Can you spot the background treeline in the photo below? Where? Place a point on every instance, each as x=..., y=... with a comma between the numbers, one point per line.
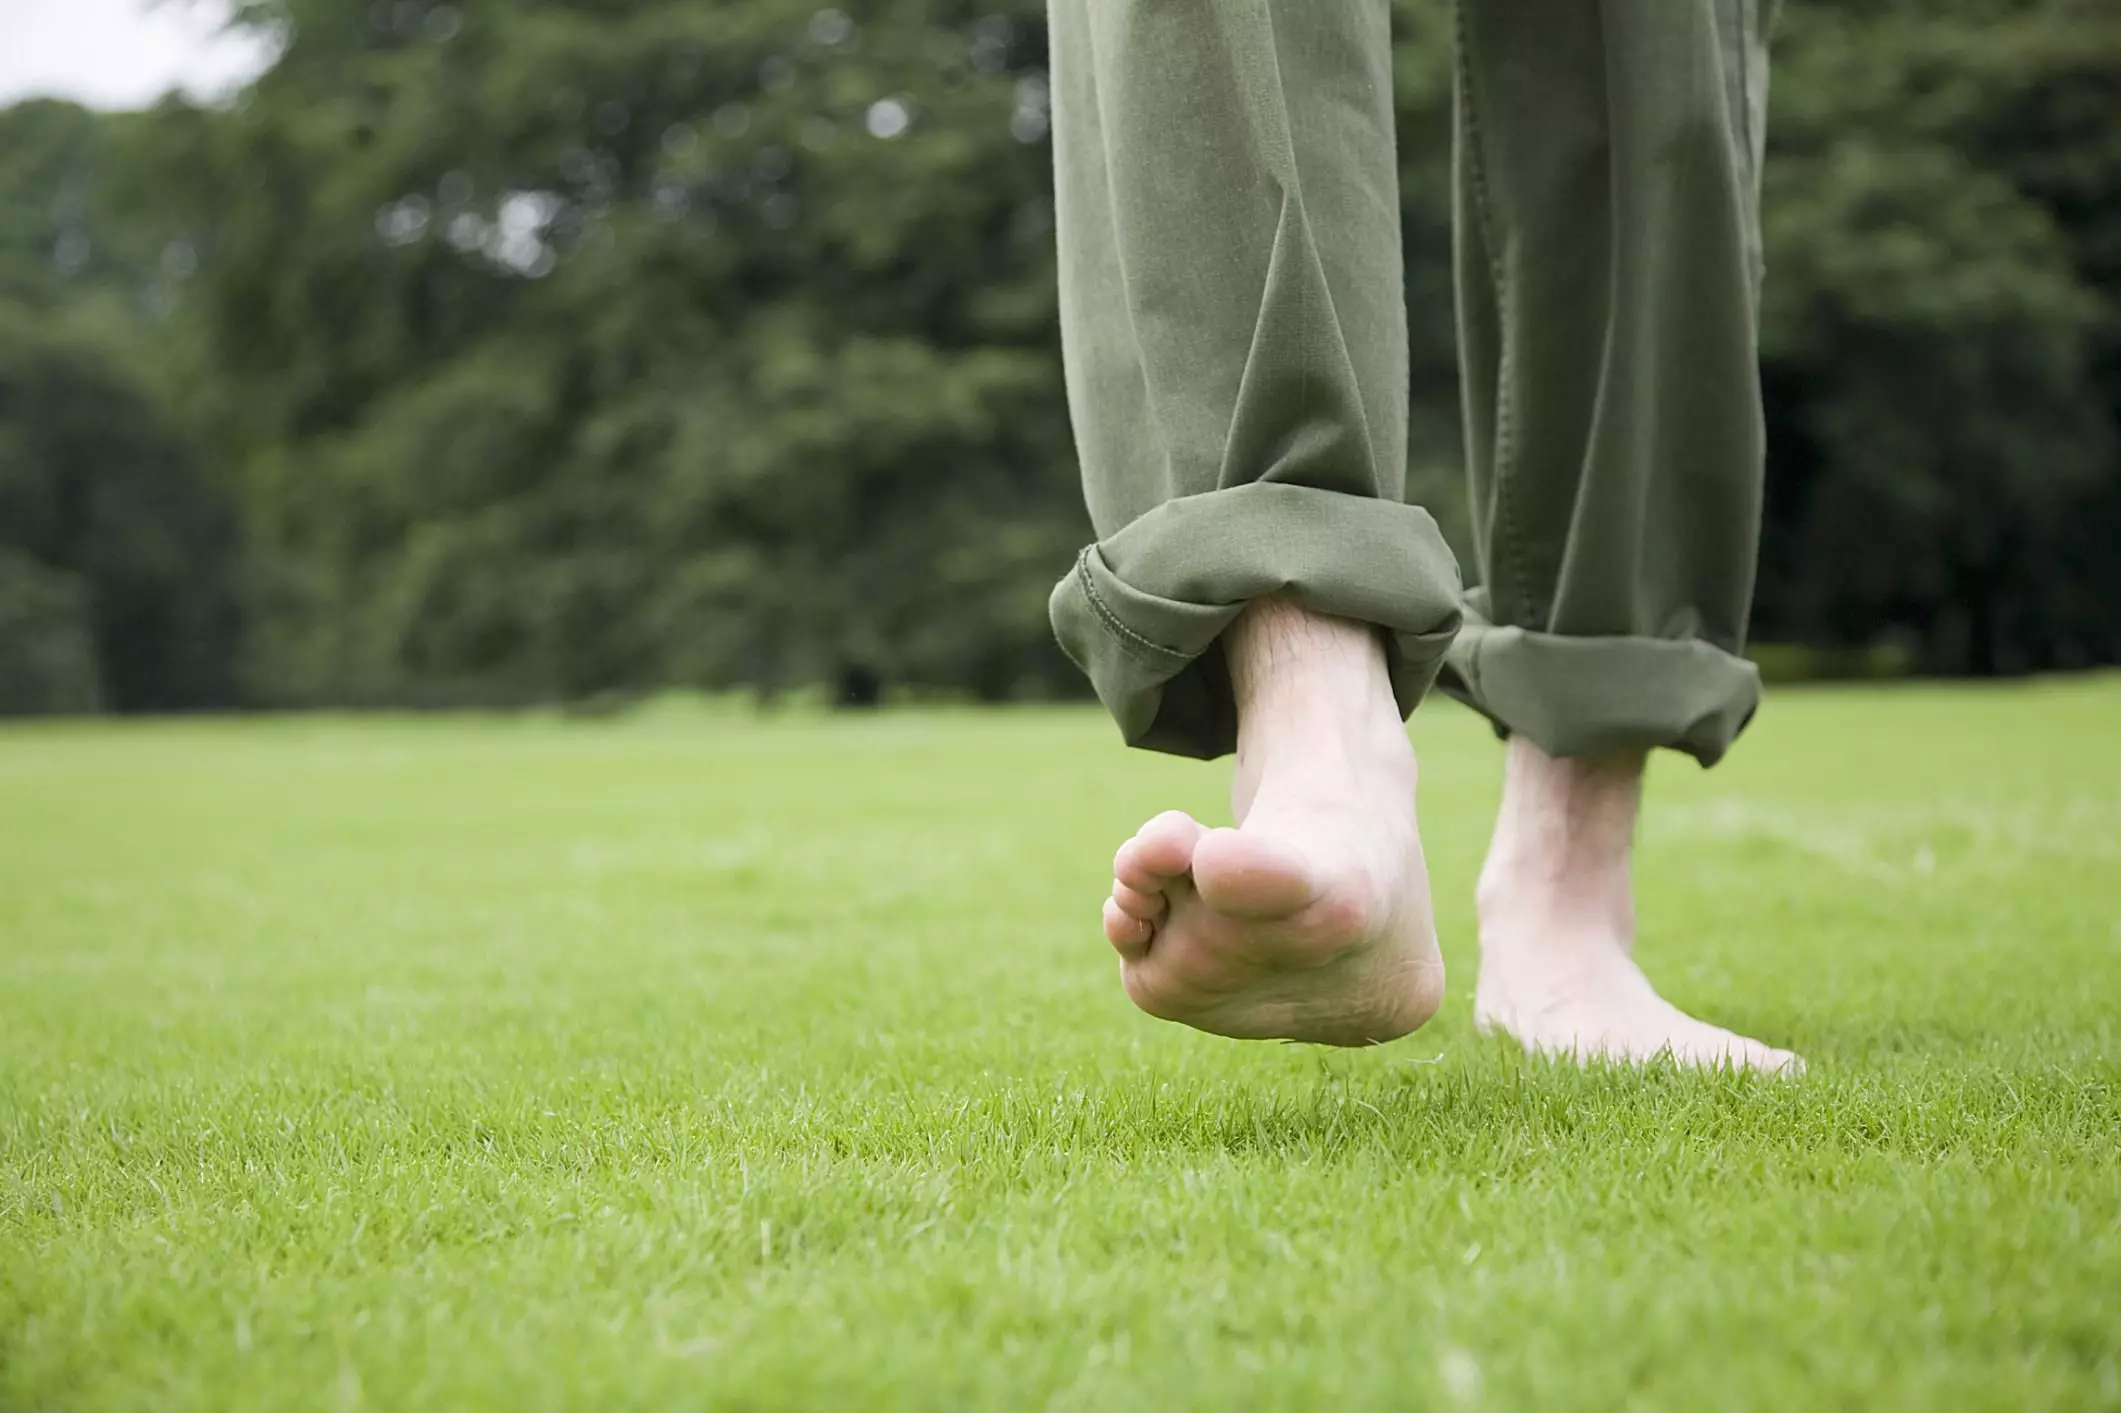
x=497, y=351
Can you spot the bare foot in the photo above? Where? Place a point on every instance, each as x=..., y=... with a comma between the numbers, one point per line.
x=1557, y=924
x=1311, y=919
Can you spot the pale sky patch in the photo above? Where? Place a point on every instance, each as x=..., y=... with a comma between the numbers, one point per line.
x=122, y=53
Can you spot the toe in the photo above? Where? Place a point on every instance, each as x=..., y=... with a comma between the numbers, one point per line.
x=1148, y=907
x=1781, y=1063
x=1246, y=877
x=1129, y=936
x=1725, y=1048
x=1161, y=851
x=1713, y=1046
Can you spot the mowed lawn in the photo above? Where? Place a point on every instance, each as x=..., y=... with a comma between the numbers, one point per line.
x=705, y=1059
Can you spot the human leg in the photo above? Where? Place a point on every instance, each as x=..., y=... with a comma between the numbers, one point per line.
x=1609, y=274
x=1236, y=356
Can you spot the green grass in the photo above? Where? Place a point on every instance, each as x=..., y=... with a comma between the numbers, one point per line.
x=706, y=1060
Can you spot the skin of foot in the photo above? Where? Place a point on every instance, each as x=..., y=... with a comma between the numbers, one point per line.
x=1311, y=919
x=1557, y=924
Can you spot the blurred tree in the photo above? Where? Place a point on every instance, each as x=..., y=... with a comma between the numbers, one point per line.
x=572, y=347
x=58, y=243
x=47, y=643
x=113, y=543
x=1944, y=194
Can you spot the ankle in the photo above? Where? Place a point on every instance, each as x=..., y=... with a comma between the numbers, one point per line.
x=1300, y=676
x=1314, y=699
x=1564, y=838
x=1567, y=815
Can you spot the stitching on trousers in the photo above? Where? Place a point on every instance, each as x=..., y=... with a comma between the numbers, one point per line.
x=1747, y=39
x=1303, y=221
x=1127, y=636
x=1742, y=57
x=1506, y=533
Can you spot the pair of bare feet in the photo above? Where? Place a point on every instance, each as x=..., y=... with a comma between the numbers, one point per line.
x=1311, y=920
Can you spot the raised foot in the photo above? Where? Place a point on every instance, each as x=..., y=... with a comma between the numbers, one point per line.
x=1311, y=919
x=1307, y=924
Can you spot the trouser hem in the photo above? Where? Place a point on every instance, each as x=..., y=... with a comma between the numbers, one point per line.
x=1589, y=696
x=1142, y=610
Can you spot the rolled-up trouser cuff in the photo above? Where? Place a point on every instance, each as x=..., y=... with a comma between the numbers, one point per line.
x=1142, y=610
x=1596, y=696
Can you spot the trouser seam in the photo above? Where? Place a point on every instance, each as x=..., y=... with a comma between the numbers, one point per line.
x=1295, y=194
x=1749, y=34
x=1513, y=559
x=1129, y=640
x=1742, y=57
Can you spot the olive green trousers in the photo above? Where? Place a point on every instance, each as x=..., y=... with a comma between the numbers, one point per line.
x=1235, y=338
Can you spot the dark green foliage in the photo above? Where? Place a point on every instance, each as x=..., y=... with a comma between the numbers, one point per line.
x=59, y=243
x=570, y=349
x=47, y=643
x=115, y=546
x=1943, y=340
x=553, y=350
x=114, y=550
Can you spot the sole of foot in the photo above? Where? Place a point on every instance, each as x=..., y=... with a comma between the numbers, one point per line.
x=1310, y=920
x=1240, y=933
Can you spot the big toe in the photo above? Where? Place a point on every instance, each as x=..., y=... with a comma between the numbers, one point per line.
x=1242, y=875
x=1704, y=1044
x=1768, y=1060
